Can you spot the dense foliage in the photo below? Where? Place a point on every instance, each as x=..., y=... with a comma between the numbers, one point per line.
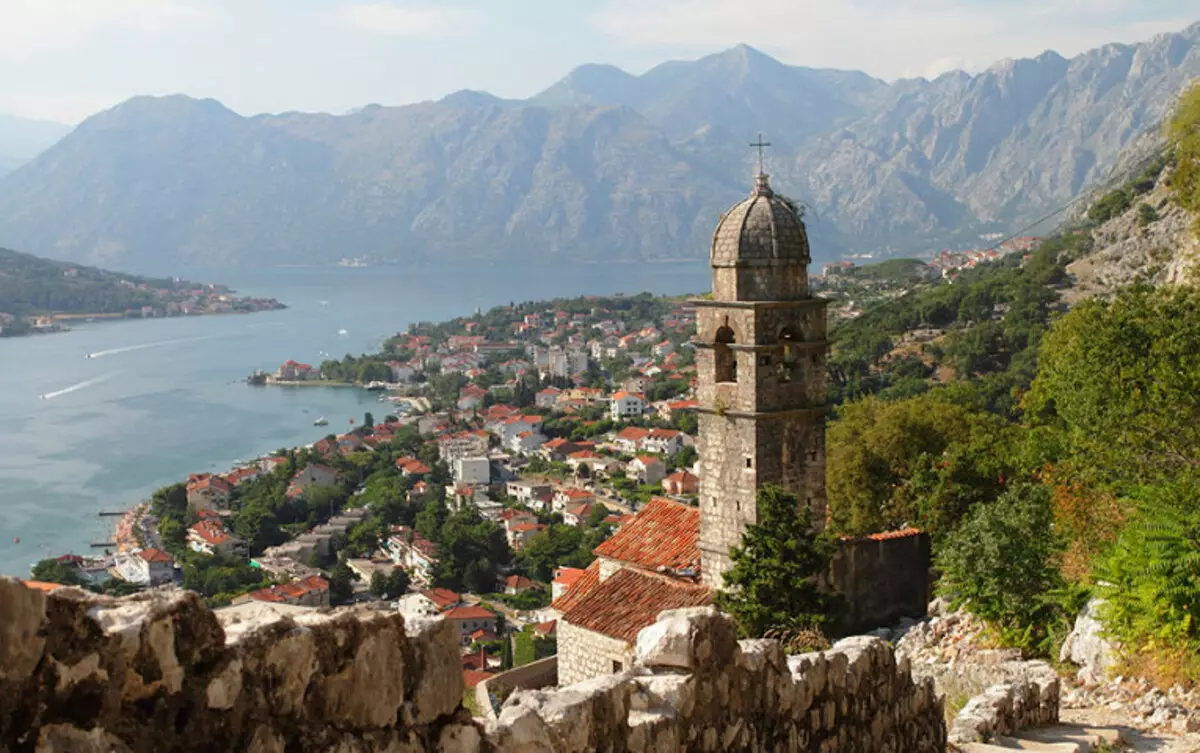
x=1183, y=132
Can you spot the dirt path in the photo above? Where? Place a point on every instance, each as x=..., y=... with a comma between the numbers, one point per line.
x=1140, y=739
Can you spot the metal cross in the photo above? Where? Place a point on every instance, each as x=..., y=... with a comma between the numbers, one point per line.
x=760, y=144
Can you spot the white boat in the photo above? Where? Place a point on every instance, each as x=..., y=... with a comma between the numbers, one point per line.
x=321, y=422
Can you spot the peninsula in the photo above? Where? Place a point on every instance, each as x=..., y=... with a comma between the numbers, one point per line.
x=39, y=295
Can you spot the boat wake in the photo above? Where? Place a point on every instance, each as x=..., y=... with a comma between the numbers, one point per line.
x=76, y=387
x=144, y=346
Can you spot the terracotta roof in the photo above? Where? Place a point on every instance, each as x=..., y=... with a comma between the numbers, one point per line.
x=441, y=597
x=468, y=612
x=649, y=459
x=155, y=555
x=634, y=433
x=886, y=535
x=573, y=493
x=580, y=510
x=546, y=628
x=664, y=534
x=211, y=530
x=483, y=634
x=518, y=581
x=664, y=433
x=579, y=587
x=566, y=576
x=631, y=600
x=39, y=585
x=472, y=677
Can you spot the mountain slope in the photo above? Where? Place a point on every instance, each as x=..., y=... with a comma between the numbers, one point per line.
x=22, y=138
x=603, y=165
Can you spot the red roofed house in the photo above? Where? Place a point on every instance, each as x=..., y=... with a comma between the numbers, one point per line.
x=650, y=565
x=312, y=591
x=208, y=492
x=646, y=469
x=410, y=466
x=630, y=439
x=663, y=441
x=428, y=603
x=515, y=584
x=570, y=496
x=469, y=618
x=681, y=483
x=146, y=567
x=520, y=534
x=564, y=579
x=627, y=405
x=210, y=536
x=472, y=677
x=577, y=515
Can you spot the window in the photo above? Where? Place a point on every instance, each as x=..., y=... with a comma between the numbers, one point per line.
x=725, y=360
x=790, y=358
x=618, y=666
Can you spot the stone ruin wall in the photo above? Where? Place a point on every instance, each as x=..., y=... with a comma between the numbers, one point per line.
x=158, y=672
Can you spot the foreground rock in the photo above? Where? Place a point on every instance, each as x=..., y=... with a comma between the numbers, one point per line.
x=157, y=672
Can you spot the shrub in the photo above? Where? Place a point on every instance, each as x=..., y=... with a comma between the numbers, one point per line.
x=1146, y=214
x=1151, y=579
x=1110, y=205
x=1001, y=565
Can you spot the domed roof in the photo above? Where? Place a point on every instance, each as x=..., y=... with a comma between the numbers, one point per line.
x=762, y=228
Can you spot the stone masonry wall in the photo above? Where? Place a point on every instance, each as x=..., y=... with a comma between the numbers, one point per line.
x=584, y=653
x=158, y=672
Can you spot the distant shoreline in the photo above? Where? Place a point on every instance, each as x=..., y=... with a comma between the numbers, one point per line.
x=122, y=316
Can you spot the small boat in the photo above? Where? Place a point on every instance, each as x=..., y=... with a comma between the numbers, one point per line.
x=343, y=332
x=321, y=422
x=16, y=539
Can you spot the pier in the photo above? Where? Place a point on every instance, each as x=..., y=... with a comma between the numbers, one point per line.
x=103, y=544
x=111, y=513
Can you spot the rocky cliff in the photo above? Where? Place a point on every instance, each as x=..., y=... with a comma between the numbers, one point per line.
x=160, y=672
x=603, y=165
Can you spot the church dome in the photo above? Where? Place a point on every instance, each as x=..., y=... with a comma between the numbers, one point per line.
x=762, y=229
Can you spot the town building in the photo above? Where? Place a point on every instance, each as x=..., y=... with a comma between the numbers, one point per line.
x=413, y=552
x=312, y=591
x=146, y=567
x=473, y=471
x=681, y=483
x=428, y=603
x=626, y=405
x=468, y=618
x=207, y=492
x=209, y=536
x=646, y=469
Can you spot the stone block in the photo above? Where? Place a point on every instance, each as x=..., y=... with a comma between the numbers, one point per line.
x=21, y=639
x=436, y=686
x=696, y=638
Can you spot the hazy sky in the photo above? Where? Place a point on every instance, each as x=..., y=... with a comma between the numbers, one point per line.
x=65, y=59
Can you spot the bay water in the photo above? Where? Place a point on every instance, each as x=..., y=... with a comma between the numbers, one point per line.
x=161, y=398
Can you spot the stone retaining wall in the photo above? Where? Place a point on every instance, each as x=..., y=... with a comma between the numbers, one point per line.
x=157, y=672
x=1009, y=707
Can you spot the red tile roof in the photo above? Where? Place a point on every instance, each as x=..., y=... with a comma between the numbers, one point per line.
x=572, y=493
x=468, y=612
x=472, y=677
x=631, y=600
x=546, y=628
x=579, y=587
x=886, y=535
x=664, y=534
x=441, y=597
x=566, y=576
x=211, y=530
x=518, y=581
x=155, y=555
x=634, y=434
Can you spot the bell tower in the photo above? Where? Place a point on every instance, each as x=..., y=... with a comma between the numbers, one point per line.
x=760, y=360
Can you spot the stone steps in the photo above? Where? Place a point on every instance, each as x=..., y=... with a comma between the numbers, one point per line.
x=1060, y=738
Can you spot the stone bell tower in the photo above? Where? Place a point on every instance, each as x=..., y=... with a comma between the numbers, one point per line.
x=761, y=366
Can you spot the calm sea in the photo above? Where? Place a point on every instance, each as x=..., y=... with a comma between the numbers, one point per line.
x=163, y=398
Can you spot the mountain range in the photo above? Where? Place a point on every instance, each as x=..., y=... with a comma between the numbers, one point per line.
x=21, y=139
x=603, y=165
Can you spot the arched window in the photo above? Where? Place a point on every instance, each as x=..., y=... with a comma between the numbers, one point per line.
x=790, y=356
x=724, y=359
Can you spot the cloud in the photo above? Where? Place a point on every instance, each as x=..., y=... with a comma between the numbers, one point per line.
x=31, y=27
x=888, y=38
x=413, y=21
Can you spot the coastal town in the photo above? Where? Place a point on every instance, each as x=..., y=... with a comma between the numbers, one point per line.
x=509, y=447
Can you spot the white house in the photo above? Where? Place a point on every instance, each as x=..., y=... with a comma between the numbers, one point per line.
x=146, y=567
x=210, y=536
x=472, y=471
x=664, y=441
x=527, y=492
x=646, y=469
x=525, y=442
x=626, y=405
x=413, y=552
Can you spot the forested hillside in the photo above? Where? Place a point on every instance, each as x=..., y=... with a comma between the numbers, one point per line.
x=1050, y=451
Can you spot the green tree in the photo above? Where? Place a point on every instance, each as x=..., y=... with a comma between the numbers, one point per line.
x=471, y=552
x=557, y=546
x=341, y=584
x=773, y=580
x=53, y=571
x=1001, y=565
x=1122, y=379
x=379, y=584
x=1183, y=133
